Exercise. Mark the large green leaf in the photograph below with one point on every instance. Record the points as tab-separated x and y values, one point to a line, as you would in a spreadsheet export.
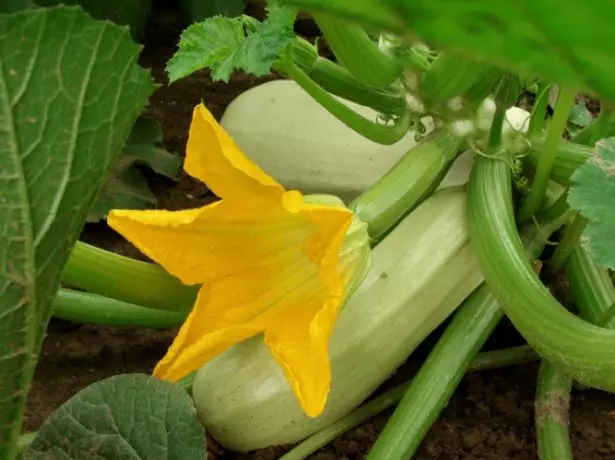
220	44
126	187
126	417
593	193
70	90
564	42
133	13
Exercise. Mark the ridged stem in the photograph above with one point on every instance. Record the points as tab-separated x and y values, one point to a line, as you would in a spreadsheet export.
337	80
86	308
380	133
112	275
592	288
539	111
357	52
411	180
551	413
536	196
572	235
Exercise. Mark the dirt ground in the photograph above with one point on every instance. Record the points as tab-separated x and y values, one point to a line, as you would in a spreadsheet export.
490	417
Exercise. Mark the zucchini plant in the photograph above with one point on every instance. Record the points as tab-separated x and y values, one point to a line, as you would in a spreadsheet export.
360	203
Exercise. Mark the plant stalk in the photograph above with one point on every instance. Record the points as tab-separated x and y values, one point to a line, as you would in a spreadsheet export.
380	133
534	199
112	275
335	79
495	132
572	235
86	308
539	111
357	52
410	181
552	413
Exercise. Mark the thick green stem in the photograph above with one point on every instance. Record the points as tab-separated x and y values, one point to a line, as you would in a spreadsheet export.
592	288
607	316
555	210
112	275
495	132
358	53
505	357
552	413
410	181
539	111
535	198
487	360
85	308
437	379
430	390
380	133
335	79
572	235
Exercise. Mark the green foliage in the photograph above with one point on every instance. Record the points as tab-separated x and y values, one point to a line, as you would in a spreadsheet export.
70	90
568	45
124	12
221	44
199	10
126	187
593	194
126	417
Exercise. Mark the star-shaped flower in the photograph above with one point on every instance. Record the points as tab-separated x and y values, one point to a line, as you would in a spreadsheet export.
268	260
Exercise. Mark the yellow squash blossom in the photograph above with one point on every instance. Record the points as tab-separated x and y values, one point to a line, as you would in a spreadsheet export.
268	260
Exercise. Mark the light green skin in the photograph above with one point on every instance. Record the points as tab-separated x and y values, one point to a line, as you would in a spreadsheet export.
419	274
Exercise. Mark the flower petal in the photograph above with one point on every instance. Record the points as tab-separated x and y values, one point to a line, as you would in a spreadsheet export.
213	157
324	245
198	245
298	339
236	307
201	338
251	297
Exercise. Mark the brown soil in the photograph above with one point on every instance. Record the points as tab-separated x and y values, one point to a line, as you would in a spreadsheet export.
490	417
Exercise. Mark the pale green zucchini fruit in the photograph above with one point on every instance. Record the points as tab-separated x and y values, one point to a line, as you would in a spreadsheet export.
419	274
292	137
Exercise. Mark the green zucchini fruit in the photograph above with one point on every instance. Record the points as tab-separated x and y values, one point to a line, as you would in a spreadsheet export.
420	273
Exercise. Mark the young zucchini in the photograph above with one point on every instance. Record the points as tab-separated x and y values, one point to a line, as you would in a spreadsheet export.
419	274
